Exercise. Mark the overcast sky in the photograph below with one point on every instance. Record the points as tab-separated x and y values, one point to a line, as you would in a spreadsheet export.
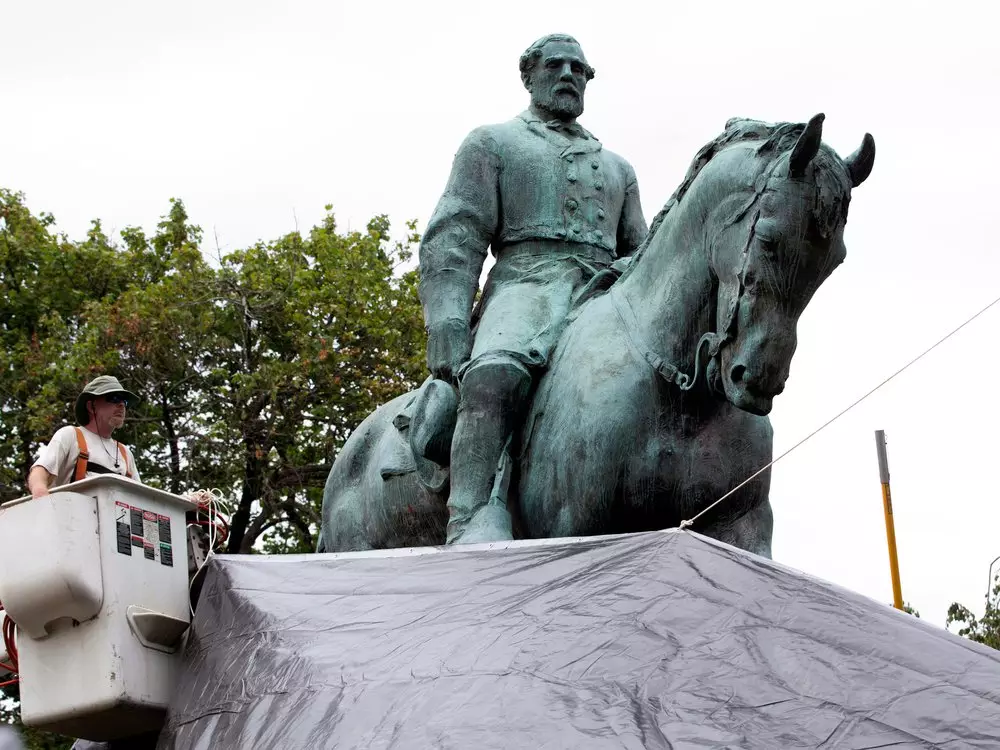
258	114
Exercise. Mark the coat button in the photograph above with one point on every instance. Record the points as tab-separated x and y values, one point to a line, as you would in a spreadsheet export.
571	177
598	186
569	158
571	204
600	215
576	229
595	165
598	235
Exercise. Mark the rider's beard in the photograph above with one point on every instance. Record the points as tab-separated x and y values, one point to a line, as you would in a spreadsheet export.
561	104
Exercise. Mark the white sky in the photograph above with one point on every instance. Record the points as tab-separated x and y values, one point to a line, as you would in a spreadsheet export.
258	113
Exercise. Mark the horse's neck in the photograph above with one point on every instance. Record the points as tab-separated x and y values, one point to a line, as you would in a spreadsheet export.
670	290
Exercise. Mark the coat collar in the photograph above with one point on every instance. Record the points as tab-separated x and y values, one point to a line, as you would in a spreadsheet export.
584	141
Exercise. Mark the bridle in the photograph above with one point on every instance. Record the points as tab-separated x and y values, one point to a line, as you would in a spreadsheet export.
714	340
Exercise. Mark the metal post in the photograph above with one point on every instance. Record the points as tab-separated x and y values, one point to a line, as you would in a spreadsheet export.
890	530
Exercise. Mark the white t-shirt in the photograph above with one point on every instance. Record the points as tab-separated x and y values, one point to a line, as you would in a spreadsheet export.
59	456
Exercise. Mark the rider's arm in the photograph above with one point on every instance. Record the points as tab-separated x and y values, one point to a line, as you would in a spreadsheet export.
453	248
632	225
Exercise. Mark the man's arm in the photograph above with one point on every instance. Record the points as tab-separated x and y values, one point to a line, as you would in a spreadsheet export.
454	248
632	225
51	461
39	480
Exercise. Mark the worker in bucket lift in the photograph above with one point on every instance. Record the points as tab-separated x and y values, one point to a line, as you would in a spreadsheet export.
87	449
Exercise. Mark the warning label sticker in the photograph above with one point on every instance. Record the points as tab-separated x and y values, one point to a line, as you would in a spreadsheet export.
123	529
150	528
164	524
166	551
145	530
135	516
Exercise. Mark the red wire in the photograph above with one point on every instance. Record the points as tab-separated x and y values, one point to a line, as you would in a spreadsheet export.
10	682
10	643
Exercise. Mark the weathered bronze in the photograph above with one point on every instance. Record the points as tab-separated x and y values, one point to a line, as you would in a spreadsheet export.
607	380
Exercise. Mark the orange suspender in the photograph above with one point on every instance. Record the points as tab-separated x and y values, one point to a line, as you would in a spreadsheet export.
81	460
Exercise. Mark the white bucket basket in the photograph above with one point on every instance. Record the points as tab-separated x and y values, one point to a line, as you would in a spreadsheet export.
96	577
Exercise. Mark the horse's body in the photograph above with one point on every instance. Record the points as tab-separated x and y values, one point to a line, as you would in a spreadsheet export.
614	448
618	439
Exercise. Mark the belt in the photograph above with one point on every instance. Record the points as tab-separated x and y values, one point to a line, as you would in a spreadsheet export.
543	248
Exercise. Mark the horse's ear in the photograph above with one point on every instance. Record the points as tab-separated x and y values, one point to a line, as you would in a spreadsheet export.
860	163
807	146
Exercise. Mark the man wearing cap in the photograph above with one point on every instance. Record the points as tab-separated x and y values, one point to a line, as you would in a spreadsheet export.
77	452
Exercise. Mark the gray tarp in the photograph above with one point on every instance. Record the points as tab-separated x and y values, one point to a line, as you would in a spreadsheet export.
658	640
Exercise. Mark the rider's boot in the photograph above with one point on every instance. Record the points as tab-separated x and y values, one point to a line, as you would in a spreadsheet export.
492	397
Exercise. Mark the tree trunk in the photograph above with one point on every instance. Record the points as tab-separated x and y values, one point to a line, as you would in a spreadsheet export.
27	459
175	453
253	480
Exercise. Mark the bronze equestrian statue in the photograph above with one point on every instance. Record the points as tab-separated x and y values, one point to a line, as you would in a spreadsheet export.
607	380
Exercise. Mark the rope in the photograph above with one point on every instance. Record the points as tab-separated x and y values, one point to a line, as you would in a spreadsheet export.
209	502
690	522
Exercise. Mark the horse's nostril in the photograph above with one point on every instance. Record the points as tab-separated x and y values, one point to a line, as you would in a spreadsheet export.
738	373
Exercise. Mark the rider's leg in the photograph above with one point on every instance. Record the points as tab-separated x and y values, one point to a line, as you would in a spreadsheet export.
493	395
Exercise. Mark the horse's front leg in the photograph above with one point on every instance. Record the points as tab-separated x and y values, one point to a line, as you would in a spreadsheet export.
751	531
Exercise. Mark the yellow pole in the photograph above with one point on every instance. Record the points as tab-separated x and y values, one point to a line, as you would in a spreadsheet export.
890	530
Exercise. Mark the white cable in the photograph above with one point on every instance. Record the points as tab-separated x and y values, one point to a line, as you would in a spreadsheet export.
688	523
213	500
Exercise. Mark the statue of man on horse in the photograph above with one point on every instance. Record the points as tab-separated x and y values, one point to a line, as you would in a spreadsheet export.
557	209
608	379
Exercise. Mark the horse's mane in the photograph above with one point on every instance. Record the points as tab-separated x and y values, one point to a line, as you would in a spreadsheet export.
776	138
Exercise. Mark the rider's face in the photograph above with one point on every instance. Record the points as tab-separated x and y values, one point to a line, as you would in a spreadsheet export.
559	80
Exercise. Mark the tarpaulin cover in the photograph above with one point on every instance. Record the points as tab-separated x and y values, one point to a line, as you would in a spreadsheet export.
657	640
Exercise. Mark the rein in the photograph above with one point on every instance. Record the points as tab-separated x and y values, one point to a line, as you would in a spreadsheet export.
667	371
715	340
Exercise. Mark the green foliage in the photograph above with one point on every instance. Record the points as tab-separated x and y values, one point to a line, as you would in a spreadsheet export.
985	630
253	371
34	739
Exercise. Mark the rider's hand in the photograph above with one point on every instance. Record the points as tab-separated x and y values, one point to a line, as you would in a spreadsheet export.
448	346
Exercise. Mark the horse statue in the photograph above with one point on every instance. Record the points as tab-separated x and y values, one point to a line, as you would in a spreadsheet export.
655	403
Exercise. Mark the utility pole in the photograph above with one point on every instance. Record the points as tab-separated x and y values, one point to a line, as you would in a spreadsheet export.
890	529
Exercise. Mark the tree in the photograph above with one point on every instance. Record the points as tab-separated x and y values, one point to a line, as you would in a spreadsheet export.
252	374
985	630
161	332
46	282
320	331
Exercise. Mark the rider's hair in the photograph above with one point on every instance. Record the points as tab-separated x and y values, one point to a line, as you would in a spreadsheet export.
531	55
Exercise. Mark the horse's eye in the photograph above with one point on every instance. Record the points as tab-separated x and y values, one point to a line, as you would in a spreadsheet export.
768	245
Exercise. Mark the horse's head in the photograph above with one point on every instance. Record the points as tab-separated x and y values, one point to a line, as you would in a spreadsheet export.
776	245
